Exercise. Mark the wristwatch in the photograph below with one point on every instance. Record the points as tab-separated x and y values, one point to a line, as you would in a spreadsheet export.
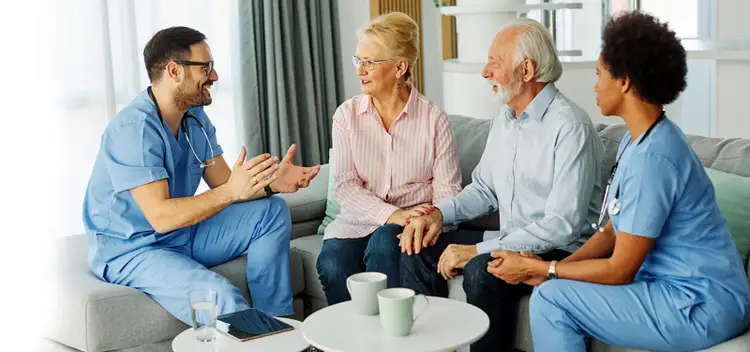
552	272
269	191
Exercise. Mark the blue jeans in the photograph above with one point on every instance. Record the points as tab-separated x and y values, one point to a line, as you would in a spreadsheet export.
341	258
262	228
493	296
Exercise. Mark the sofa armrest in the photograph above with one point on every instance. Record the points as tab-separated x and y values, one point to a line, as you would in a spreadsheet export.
309	203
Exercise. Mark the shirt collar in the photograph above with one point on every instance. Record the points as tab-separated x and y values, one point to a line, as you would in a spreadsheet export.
410	108
538	105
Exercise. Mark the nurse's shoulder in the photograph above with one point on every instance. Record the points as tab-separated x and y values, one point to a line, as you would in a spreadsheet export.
136	117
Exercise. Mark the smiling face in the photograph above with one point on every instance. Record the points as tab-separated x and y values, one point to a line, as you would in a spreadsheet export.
195	87
376	77
610	91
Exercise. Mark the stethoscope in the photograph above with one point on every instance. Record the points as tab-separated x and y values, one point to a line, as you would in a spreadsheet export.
183	123
614	208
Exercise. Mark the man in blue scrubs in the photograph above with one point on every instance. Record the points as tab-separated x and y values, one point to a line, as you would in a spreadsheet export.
146	227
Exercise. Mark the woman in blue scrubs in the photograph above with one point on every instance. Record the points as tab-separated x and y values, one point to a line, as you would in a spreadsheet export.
664	273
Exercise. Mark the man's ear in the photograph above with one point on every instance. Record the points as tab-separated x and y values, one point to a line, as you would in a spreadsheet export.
173	71
529	70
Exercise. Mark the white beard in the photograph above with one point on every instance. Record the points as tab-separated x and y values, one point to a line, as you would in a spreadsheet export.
504	94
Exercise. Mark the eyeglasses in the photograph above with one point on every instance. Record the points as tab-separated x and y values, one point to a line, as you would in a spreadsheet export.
208	66
368	65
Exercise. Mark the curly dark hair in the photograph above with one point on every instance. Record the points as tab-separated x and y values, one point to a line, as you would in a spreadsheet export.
638	46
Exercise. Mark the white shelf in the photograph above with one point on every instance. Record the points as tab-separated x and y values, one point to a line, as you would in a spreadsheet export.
521	8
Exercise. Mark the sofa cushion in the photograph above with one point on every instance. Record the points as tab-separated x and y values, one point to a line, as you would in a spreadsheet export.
471	137
733	195
308	248
92	315
332	206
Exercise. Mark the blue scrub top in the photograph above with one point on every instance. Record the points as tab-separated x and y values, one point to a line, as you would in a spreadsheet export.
137	148
665	193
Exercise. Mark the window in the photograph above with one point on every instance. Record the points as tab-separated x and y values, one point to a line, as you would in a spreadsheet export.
690	19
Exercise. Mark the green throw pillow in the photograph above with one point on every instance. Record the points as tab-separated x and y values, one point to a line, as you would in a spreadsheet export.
733	197
332	207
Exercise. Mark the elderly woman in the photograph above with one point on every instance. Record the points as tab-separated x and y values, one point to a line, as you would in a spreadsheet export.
663	274
393	153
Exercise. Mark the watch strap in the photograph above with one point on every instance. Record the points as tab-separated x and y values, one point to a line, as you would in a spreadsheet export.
552	271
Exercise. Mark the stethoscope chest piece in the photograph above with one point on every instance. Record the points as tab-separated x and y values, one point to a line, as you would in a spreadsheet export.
614	207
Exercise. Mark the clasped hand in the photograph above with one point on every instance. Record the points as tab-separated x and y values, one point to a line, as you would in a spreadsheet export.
515	268
421	231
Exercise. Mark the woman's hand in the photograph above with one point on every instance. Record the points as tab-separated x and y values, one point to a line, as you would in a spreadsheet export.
401	217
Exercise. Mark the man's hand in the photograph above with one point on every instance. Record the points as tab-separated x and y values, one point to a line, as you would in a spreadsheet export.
248	178
512	267
455	257
421	232
290	177
401	217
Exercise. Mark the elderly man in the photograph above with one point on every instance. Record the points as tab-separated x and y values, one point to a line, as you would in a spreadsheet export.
540	170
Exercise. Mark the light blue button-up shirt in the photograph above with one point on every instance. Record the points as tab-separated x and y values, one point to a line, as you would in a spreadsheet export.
541	171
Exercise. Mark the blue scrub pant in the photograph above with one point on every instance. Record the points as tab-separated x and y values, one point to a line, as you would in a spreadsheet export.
168	272
649	315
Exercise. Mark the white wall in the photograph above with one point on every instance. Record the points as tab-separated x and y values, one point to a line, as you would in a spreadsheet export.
353	15
733	114
432	52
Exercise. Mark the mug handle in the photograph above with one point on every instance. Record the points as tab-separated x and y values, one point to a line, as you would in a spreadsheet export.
426	304
348	286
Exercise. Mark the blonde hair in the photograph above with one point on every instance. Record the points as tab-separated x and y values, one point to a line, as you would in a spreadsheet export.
399	34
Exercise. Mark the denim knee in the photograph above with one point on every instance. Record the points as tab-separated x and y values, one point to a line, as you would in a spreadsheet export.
279	210
384	241
476	276
331	265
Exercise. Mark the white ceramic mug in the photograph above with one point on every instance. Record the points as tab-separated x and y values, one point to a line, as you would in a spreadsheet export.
397	310
364	288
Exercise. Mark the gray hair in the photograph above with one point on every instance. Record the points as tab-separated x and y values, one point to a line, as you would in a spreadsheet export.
535	43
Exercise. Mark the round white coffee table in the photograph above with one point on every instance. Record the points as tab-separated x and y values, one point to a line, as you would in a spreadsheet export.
446	325
282	342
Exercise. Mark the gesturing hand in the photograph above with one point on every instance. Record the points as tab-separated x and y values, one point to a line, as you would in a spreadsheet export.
290	177
248	178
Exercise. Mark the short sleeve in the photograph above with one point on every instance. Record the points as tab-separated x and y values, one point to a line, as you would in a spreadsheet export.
647	193
135	155
211	133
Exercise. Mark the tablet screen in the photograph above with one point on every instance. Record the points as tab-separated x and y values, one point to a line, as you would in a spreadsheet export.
250	324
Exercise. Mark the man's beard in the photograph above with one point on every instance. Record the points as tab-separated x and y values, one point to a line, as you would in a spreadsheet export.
186	97
505	94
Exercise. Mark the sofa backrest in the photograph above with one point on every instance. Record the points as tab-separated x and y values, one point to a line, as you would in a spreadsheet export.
727	155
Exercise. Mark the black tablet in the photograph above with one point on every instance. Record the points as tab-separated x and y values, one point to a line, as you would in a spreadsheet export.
250	324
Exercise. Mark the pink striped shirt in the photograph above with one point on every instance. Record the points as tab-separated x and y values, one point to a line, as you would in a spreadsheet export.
376	172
